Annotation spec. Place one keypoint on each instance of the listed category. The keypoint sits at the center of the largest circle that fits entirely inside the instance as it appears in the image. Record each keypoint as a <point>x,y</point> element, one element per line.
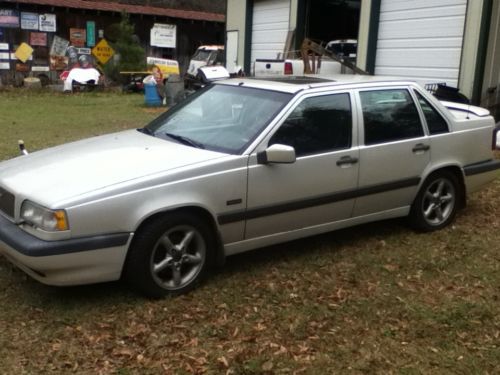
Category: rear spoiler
<point>477,111</point>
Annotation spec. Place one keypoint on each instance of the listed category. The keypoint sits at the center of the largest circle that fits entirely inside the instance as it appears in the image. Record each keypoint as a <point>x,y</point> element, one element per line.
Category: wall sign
<point>40,69</point>
<point>38,39</point>
<point>29,21</point>
<point>9,18</point>
<point>4,55</point>
<point>84,51</point>
<point>90,33</point>
<point>59,46</point>
<point>163,35</point>
<point>77,37</point>
<point>47,22</point>
<point>22,67</point>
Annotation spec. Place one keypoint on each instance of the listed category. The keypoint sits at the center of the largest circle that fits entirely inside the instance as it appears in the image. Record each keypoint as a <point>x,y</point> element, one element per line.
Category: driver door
<point>314,190</point>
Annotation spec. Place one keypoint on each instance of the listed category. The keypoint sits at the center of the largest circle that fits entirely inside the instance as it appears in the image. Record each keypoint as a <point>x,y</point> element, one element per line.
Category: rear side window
<point>317,125</point>
<point>389,115</point>
<point>435,122</point>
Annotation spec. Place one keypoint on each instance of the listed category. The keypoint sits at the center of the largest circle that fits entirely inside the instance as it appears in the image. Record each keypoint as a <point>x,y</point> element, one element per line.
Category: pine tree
<point>131,56</point>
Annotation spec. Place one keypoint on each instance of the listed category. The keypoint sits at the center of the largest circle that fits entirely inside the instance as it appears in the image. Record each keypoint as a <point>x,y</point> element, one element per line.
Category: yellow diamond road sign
<point>103,52</point>
<point>24,52</point>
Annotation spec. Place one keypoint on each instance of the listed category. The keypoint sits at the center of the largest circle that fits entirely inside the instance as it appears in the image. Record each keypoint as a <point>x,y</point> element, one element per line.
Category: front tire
<point>437,202</point>
<point>170,255</point>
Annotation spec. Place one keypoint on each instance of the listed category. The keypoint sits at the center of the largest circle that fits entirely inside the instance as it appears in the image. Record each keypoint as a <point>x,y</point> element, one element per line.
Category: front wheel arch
<point>195,211</point>
<point>170,254</point>
<point>204,215</point>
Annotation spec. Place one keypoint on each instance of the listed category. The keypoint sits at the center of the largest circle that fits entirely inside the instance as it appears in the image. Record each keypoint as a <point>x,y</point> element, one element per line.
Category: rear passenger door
<point>394,150</point>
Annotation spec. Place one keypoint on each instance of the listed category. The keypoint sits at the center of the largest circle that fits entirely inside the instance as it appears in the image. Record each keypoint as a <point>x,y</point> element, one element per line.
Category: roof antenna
<point>22,148</point>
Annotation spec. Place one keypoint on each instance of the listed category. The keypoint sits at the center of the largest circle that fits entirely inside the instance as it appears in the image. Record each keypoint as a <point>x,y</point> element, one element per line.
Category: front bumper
<point>67,262</point>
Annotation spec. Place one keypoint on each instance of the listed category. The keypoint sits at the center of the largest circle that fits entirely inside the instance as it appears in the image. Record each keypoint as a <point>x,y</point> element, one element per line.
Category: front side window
<point>435,122</point>
<point>317,125</point>
<point>389,115</point>
<point>220,117</point>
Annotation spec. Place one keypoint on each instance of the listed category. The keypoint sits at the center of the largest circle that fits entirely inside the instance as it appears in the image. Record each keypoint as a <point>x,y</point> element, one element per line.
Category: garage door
<point>421,39</point>
<point>270,27</point>
<point>491,84</point>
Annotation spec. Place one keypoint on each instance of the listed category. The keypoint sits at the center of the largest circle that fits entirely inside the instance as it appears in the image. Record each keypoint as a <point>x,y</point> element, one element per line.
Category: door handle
<point>346,161</point>
<point>421,147</point>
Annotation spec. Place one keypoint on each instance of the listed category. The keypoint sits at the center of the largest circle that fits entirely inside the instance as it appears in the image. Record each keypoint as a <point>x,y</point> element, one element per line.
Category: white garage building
<point>452,41</point>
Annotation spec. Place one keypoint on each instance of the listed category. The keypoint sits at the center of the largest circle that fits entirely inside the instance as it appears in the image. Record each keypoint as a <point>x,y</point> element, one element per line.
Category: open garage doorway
<point>328,20</point>
<point>324,21</point>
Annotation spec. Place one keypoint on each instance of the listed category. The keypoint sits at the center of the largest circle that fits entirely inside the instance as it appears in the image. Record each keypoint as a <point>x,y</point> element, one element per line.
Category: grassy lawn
<point>378,298</point>
<point>43,119</point>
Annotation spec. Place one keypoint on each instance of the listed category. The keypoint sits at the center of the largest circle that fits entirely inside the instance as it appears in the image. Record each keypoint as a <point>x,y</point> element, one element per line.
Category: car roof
<point>340,41</point>
<point>211,47</point>
<point>294,84</point>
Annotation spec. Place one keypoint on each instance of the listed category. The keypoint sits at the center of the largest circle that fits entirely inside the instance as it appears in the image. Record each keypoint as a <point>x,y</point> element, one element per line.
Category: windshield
<point>220,118</point>
<point>201,55</point>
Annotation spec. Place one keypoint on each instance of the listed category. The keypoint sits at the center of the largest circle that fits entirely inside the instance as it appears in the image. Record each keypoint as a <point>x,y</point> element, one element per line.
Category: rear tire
<point>170,256</point>
<point>437,202</point>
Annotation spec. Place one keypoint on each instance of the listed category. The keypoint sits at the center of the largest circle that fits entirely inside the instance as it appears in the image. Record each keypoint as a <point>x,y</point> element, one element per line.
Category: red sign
<point>38,39</point>
<point>78,37</point>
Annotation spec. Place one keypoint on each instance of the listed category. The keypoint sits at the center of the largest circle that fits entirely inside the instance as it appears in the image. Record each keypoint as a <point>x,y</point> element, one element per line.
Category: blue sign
<point>90,33</point>
<point>29,21</point>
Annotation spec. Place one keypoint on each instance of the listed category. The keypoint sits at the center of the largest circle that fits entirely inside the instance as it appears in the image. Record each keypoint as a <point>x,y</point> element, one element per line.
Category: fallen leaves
<point>374,298</point>
<point>223,361</point>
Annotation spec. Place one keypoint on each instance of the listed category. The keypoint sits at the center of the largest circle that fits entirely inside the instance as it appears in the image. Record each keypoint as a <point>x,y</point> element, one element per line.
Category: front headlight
<point>44,218</point>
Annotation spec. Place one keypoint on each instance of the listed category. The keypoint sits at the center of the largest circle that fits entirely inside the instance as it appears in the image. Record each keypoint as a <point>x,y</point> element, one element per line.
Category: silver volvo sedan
<point>239,165</point>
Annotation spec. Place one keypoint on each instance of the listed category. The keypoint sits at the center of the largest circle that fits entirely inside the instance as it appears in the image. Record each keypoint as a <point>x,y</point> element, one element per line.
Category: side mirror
<point>280,154</point>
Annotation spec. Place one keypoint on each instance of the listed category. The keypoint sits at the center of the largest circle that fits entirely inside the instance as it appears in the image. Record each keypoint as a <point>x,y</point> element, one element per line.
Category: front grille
<point>6,203</point>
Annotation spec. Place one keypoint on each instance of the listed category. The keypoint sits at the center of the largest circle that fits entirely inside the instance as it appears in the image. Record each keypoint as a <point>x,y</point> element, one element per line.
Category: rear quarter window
<point>435,122</point>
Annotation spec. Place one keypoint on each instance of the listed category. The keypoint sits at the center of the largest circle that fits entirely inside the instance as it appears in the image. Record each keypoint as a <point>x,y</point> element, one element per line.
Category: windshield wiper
<point>185,140</point>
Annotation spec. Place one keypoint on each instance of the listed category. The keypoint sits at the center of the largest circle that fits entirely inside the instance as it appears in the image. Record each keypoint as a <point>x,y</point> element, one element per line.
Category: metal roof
<point>106,6</point>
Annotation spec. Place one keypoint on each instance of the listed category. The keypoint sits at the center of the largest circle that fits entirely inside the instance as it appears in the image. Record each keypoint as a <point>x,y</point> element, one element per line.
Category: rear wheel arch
<point>459,175</point>
<point>440,196</point>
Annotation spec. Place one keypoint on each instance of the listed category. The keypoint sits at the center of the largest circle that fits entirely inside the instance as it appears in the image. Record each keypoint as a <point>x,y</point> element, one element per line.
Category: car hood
<point>69,170</point>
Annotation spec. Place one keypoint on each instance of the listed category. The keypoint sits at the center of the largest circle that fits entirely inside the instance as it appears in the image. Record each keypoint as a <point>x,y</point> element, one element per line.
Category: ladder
<point>311,64</point>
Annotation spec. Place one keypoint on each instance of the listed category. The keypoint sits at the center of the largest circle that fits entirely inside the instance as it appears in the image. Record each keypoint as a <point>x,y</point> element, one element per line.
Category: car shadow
<point>25,290</point>
<point>322,243</point>
<point>119,293</point>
